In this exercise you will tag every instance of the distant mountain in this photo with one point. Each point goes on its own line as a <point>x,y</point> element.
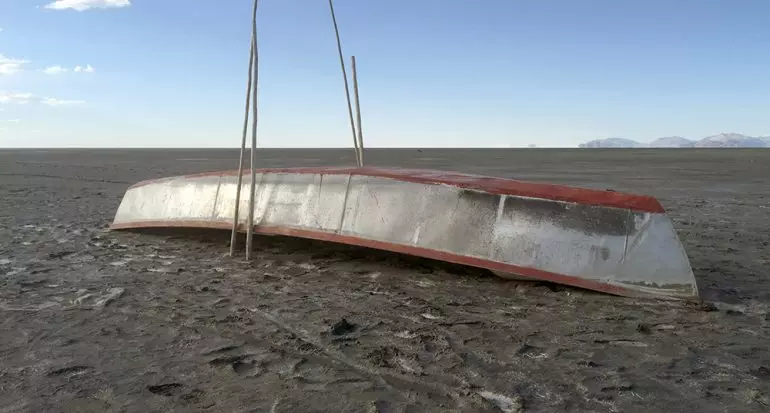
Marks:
<point>731,140</point>
<point>611,143</point>
<point>723,140</point>
<point>671,142</point>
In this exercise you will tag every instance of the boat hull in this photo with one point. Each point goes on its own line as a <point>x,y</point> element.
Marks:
<point>600,240</point>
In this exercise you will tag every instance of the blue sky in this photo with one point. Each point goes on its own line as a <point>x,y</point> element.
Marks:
<point>489,73</point>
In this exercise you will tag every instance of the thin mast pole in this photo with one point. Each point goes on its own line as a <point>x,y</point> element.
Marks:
<point>358,111</point>
<point>234,234</point>
<point>345,78</point>
<point>252,188</point>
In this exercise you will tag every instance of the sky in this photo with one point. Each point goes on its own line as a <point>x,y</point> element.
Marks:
<point>432,73</point>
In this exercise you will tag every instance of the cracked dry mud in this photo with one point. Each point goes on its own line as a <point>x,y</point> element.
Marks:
<point>99,321</point>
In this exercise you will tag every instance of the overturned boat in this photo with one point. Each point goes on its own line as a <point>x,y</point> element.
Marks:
<point>607,241</point>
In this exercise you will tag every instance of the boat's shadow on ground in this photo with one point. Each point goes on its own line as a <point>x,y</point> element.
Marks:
<point>314,249</point>
<point>292,248</point>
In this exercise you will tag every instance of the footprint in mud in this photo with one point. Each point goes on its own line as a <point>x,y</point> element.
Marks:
<point>240,364</point>
<point>342,327</point>
<point>248,367</point>
<point>531,351</point>
<point>69,371</point>
<point>166,389</point>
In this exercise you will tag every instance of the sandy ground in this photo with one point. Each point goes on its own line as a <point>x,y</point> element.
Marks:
<point>99,321</point>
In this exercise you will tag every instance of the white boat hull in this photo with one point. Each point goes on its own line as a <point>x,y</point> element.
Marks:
<point>606,241</point>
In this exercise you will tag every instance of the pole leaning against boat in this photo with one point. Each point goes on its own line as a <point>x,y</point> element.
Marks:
<point>236,207</point>
<point>347,88</point>
<point>253,163</point>
<point>360,145</point>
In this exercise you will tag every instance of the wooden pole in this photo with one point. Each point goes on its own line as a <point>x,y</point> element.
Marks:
<point>253,163</point>
<point>234,234</point>
<point>358,111</point>
<point>345,78</point>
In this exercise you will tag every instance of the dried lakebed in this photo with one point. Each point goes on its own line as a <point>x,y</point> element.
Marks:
<point>164,321</point>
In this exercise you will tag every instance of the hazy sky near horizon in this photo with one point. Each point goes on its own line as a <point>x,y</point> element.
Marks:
<point>483,73</point>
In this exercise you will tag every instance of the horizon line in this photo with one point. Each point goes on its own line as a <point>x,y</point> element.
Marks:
<point>365,149</point>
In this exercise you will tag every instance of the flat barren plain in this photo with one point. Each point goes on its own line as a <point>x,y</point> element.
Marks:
<point>99,321</point>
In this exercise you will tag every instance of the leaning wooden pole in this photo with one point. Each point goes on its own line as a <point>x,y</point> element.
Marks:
<point>253,163</point>
<point>234,234</point>
<point>345,78</point>
<point>358,111</point>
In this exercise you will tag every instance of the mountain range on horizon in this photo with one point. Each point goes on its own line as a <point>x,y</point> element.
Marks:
<point>722,140</point>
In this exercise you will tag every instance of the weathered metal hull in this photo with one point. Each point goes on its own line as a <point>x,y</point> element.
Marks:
<point>601,240</point>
